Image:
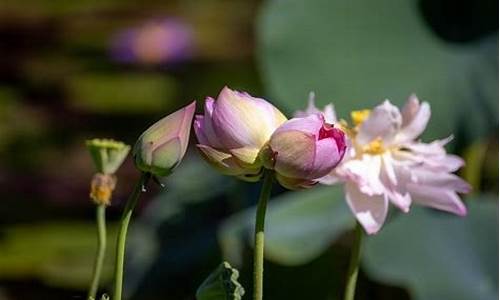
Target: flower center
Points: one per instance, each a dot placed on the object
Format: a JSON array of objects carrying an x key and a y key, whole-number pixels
[{"x": 374, "y": 147}]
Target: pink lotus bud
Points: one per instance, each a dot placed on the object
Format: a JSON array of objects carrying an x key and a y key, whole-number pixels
[
  {"x": 233, "y": 131},
  {"x": 303, "y": 150},
  {"x": 163, "y": 145}
]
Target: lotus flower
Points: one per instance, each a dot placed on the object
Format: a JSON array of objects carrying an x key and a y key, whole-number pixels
[
  {"x": 386, "y": 163},
  {"x": 233, "y": 130},
  {"x": 163, "y": 145},
  {"x": 302, "y": 150}
]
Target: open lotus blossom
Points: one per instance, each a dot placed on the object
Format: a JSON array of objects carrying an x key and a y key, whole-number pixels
[
  {"x": 233, "y": 130},
  {"x": 163, "y": 145},
  {"x": 302, "y": 150},
  {"x": 386, "y": 163}
]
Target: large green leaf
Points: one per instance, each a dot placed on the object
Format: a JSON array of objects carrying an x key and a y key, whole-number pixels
[
  {"x": 299, "y": 226},
  {"x": 437, "y": 255},
  {"x": 357, "y": 53}
]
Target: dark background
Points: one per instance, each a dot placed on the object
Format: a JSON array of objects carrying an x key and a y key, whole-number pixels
[{"x": 67, "y": 74}]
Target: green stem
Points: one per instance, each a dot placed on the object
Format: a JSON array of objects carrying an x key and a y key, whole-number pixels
[
  {"x": 352, "y": 274},
  {"x": 258, "y": 263},
  {"x": 122, "y": 234},
  {"x": 101, "y": 250}
]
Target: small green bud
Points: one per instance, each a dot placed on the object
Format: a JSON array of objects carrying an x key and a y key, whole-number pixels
[{"x": 108, "y": 155}]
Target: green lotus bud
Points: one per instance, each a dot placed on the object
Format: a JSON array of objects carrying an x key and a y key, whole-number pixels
[
  {"x": 163, "y": 145},
  {"x": 108, "y": 155}
]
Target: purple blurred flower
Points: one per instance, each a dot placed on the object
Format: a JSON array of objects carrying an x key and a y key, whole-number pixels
[{"x": 155, "y": 42}]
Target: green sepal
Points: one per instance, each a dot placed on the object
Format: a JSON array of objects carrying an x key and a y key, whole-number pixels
[
  {"x": 222, "y": 284},
  {"x": 107, "y": 154}
]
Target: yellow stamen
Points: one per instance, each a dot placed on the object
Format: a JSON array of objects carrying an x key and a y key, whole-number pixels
[
  {"x": 374, "y": 147},
  {"x": 359, "y": 116},
  {"x": 101, "y": 188}
]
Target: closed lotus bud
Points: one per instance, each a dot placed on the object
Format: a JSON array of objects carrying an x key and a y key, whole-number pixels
[
  {"x": 303, "y": 150},
  {"x": 163, "y": 145},
  {"x": 234, "y": 129}
]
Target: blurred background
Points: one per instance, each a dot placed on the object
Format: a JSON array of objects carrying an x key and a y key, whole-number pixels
[{"x": 74, "y": 70}]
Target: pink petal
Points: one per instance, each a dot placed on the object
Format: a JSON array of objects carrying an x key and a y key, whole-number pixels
[
  {"x": 365, "y": 173},
  {"x": 294, "y": 153},
  {"x": 410, "y": 109},
  {"x": 247, "y": 155},
  {"x": 331, "y": 178},
  {"x": 430, "y": 178},
  {"x": 415, "y": 119},
  {"x": 370, "y": 211},
  {"x": 169, "y": 154},
  {"x": 395, "y": 177},
  {"x": 384, "y": 122},
  {"x": 241, "y": 120},
  {"x": 328, "y": 111},
  {"x": 207, "y": 126},
  {"x": 432, "y": 155},
  {"x": 222, "y": 161},
  {"x": 310, "y": 124},
  {"x": 185, "y": 126},
  {"x": 434, "y": 148},
  {"x": 294, "y": 183},
  {"x": 174, "y": 126},
  {"x": 326, "y": 158},
  {"x": 199, "y": 130},
  {"x": 439, "y": 198}
]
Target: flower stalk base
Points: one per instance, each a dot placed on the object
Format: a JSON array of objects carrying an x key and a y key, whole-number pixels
[
  {"x": 258, "y": 264},
  {"x": 122, "y": 234},
  {"x": 352, "y": 273}
]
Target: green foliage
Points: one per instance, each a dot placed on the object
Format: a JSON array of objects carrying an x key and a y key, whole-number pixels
[
  {"x": 59, "y": 254},
  {"x": 222, "y": 284},
  {"x": 126, "y": 93},
  {"x": 299, "y": 226},
  {"x": 434, "y": 254},
  {"x": 439, "y": 256},
  {"x": 357, "y": 53}
]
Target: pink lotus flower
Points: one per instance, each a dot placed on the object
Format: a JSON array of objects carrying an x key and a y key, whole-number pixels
[
  {"x": 233, "y": 131},
  {"x": 302, "y": 150},
  {"x": 163, "y": 145},
  {"x": 386, "y": 163}
]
